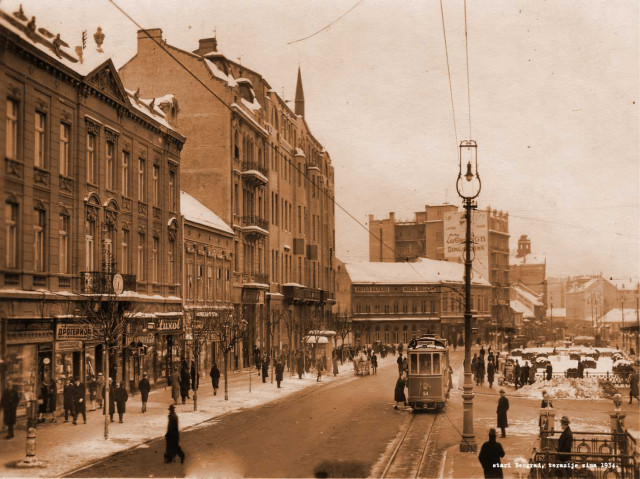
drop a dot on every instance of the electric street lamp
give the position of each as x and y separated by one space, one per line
468 189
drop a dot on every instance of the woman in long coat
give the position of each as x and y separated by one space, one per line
490 373
121 399
100 395
185 382
265 369
398 394
503 407
172 438
215 378
279 372
112 399
175 385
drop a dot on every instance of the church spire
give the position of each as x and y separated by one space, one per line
299 95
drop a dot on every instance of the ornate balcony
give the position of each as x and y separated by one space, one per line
293 293
255 227
101 282
254 173
260 278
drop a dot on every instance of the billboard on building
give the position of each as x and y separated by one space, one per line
454 239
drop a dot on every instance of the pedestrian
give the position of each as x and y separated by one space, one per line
99 395
93 392
481 370
67 397
279 372
215 377
319 369
549 371
175 385
335 365
185 379
9 403
474 367
53 399
144 387
546 403
580 369
524 374
111 400
300 364
399 361
565 441
633 386
121 397
79 401
374 362
43 399
490 373
172 438
265 368
516 374
490 454
503 407
482 353
398 393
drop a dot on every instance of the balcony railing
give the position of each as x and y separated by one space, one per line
261 278
293 294
101 282
255 221
253 165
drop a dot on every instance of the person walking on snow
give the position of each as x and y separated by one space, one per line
215 378
172 438
265 368
300 364
144 387
503 407
93 392
67 396
633 386
374 362
185 379
490 373
9 403
279 372
99 395
175 385
490 454
121 397
319 369
79 404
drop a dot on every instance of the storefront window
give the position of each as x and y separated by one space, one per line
22 369
90 363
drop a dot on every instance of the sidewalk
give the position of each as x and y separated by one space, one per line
66 447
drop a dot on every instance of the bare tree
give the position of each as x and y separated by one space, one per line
343 325
229 328
198 330
276 316
290 324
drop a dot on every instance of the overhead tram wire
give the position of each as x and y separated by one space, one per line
446 51
466 46
326 27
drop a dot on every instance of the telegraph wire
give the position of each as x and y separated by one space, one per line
570 225
326 27
446 51
466 45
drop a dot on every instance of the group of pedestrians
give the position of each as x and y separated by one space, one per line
523 375
480 368
184 380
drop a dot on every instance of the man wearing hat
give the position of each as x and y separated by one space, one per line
503 407
490 454
144 387
566 439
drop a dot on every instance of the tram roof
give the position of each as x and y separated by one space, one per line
429 342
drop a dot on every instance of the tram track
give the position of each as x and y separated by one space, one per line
409 454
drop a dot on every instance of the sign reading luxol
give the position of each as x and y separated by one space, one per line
65 331
454 239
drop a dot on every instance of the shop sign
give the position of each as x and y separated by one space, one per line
25 337
146 339
27 325
69 346
251 296
169 325
419 289
65 331
371 289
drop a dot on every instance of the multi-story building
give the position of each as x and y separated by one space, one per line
438 233
253 161
395 302
90 188
527 269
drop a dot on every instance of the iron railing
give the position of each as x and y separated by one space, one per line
253 165
255 221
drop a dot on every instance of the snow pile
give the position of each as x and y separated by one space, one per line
588 388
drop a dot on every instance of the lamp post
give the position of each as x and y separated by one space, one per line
468 186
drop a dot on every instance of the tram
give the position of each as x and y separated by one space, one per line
429 374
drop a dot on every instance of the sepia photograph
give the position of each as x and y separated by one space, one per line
320 238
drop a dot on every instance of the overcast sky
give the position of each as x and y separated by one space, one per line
554 104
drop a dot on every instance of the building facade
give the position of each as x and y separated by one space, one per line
395 302
253 161
527 269
85 164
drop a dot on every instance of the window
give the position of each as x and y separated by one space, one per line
63 245
436 363
156 185
141 260
110 166
173 203
40 139
39 240
413 361
172 261
126 186
155 260
91 158
209 282
11 139
141 180
89 245
124 250
11 222
424 361
65 157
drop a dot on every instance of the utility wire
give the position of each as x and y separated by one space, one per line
326 27
466 45
570 225
446 52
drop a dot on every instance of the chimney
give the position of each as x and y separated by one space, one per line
207 45
146 38
524 247
392 217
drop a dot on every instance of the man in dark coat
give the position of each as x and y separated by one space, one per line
279 372
53 399
490 454
215 378
525 373
580 369
144 387
549 371
399 361
516 374
565 441
300 364
67 395
112 399
172 438
9 402
633 386
121 400
185 380
374 363
265 369
503 407
79 401
195 377
481 370
398 392
490 373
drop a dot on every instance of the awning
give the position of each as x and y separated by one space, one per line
316 340
322 333
395 318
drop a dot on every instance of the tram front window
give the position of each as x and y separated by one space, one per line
436 363
414 364
425 363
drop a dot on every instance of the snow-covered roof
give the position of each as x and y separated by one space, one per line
526 259
521 308
195 211
557 312
424 271
582 286
150 107
527 294
625 284
615 316
216 72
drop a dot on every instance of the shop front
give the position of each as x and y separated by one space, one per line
169 346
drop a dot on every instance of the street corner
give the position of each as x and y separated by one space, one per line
458 464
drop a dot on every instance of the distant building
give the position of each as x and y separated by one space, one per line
530 307
527 269
395 302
